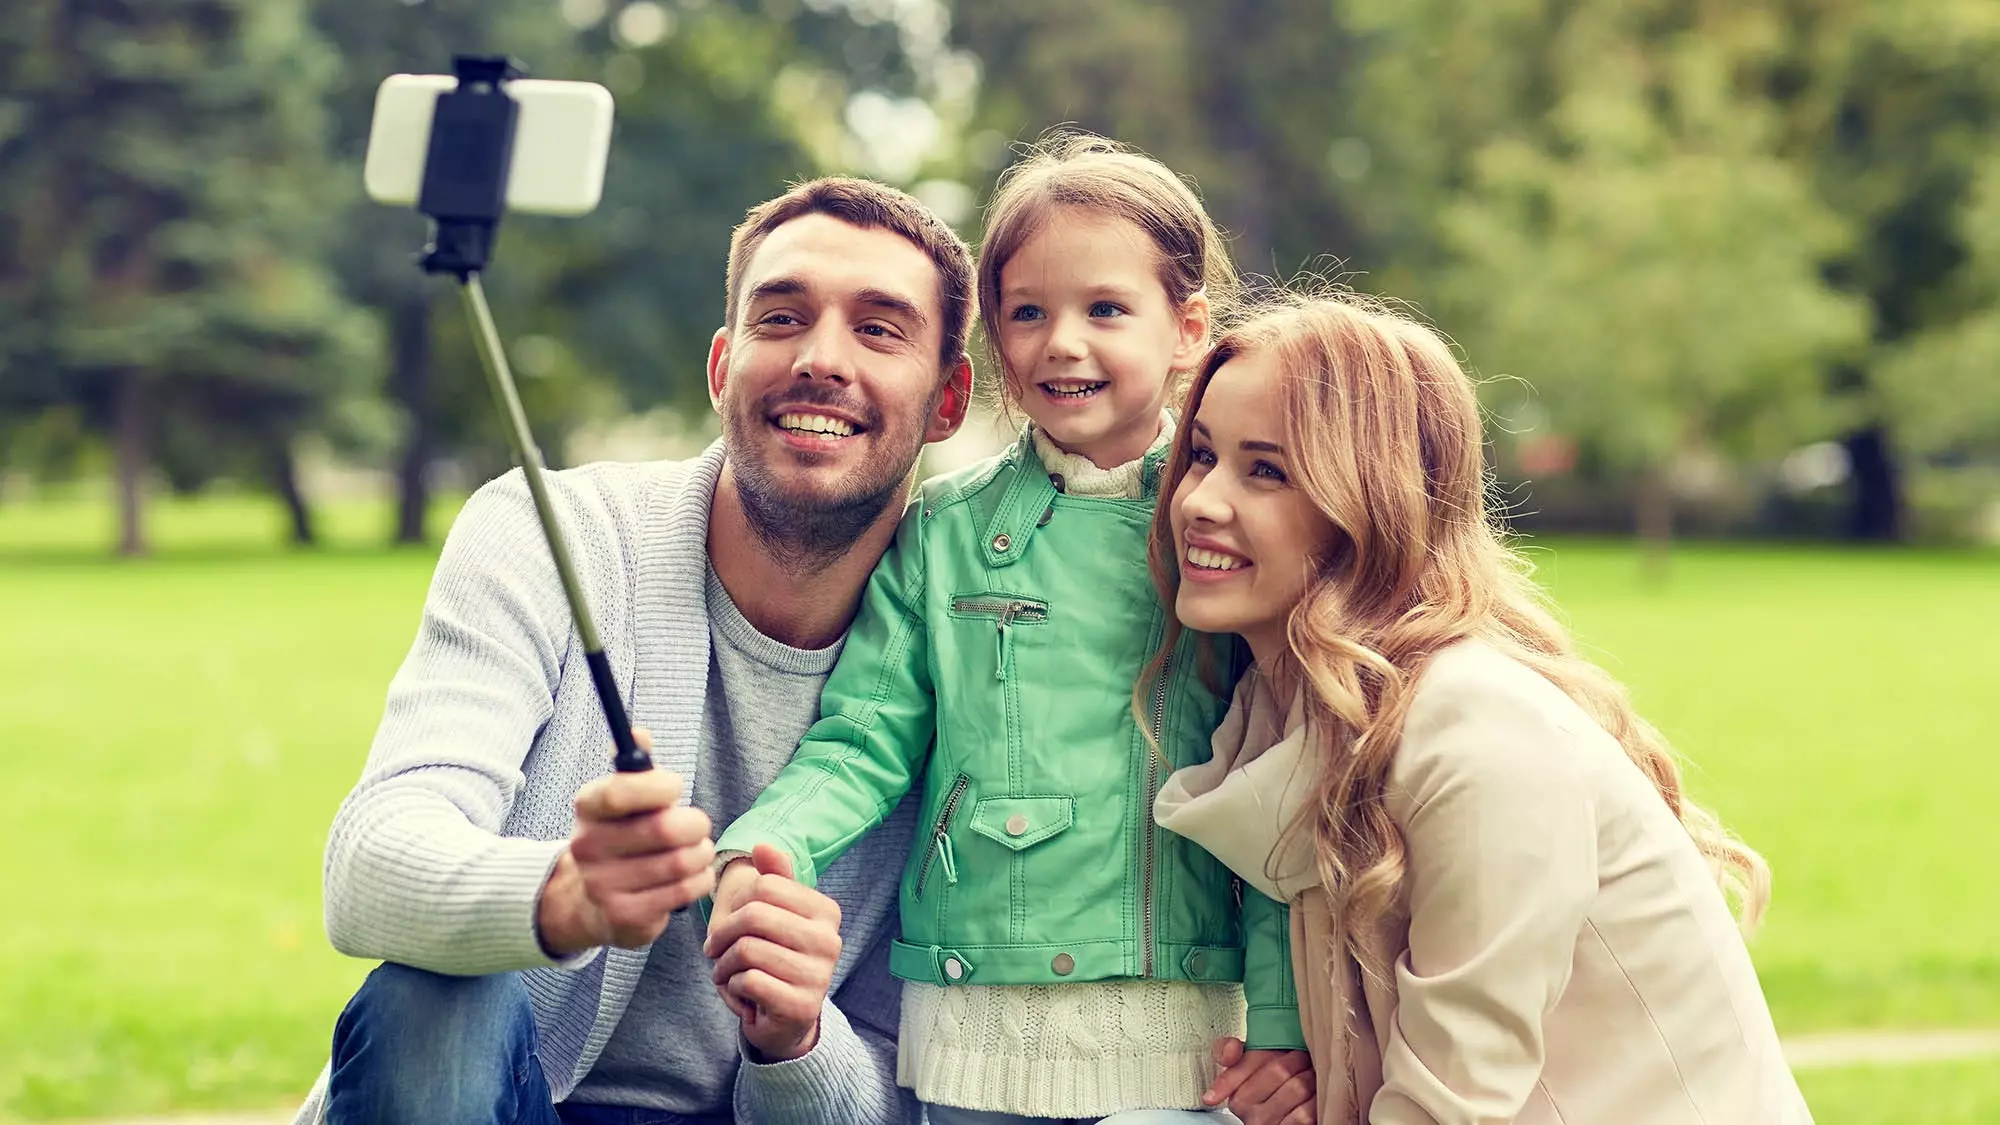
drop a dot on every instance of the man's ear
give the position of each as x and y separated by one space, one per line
718 366
1195 322
953 400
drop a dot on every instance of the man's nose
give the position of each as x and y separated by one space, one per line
827 352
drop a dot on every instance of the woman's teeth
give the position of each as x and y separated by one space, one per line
1073 388
1213 560
815 424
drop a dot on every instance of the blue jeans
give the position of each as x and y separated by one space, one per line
420 1047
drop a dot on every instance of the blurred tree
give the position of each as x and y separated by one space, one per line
1245 97
163 191
439 405
1881 111
1648 263
1891 109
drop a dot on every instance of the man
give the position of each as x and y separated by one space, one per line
542 964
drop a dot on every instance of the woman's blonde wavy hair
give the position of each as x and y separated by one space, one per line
1382 432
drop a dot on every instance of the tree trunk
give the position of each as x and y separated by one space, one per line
411 378
131 428
285 477
1655 522
1875 486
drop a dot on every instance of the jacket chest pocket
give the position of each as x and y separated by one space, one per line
1004 614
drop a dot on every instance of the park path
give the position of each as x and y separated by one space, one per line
1823 1051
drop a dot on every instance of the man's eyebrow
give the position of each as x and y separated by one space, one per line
893 303
777 287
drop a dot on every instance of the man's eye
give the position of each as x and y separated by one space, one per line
782 320
1026 312
1106 308
878 330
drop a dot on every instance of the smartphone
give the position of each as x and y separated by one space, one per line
561 141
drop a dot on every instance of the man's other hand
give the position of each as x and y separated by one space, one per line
774 943
636 857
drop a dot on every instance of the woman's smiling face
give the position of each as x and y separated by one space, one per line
1245 538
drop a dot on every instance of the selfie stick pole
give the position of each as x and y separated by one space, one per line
464 193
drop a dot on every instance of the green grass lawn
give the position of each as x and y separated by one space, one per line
177 732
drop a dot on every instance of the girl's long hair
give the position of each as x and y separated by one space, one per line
1382 432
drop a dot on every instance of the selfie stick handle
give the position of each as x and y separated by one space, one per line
464 193
629 756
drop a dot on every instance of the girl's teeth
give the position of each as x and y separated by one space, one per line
1213 560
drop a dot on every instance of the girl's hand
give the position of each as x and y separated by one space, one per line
1265 1087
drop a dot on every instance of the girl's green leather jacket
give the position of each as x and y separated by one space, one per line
993 660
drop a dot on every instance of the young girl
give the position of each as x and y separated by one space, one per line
1063 957
1503 907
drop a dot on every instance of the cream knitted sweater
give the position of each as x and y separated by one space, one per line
1068 1050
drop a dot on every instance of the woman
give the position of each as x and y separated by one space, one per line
1504 909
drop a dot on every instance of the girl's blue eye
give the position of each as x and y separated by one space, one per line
1202 455
1105 308
1027 312
1269 471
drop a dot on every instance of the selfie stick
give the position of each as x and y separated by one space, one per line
464 193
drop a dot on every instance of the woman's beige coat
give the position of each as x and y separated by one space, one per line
1566 957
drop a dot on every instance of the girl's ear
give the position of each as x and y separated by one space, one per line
1194 327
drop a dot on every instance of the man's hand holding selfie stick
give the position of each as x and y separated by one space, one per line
636 857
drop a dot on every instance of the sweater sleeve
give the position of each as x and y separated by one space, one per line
1500 823
416 869
877 724
849 1077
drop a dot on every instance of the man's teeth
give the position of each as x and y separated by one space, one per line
816 424
1213 560
1075 388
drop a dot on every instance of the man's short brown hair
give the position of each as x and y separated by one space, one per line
870 205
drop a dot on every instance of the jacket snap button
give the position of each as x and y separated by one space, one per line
1064 964
1048 514
1057 480
954 968
1001 542
1017 825
1198 964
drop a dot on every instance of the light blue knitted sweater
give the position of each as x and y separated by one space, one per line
437 857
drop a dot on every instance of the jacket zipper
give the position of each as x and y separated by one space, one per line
940 845
1005 611
1146 810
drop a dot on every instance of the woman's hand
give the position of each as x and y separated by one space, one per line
1265 1087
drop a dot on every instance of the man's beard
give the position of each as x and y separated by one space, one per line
808 533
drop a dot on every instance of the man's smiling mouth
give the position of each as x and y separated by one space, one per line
824 426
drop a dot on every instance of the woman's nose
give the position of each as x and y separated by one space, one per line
1204 498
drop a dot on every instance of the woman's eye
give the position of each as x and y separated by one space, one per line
1269 472
1202 455
1105 308
1026 312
